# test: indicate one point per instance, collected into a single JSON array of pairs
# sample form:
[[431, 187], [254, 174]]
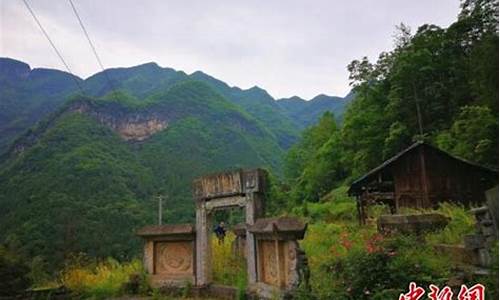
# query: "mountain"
[[259, 104], [29, 94], [80, 171], [139, 81], [307, 112], [87, 175]]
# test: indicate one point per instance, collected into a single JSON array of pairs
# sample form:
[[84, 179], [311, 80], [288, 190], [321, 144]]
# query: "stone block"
[[460, 254], [474, 241], [283, 228], [169, 254], [230, 183], [417, 223]]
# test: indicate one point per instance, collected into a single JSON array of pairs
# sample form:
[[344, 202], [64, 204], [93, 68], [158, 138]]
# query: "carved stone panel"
[[272, 264], [218, 185], [173, 259], [229, 183]]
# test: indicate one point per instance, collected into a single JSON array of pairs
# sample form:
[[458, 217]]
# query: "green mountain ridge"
[[27, 95], [77, 167], [308, 112], [26, 99]]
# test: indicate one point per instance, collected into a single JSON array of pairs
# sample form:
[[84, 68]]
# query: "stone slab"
[[417, 223]]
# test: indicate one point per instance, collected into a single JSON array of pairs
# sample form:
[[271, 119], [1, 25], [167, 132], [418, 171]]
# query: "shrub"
[[461, 222], [228, 267], [349, 261], [99, 280]]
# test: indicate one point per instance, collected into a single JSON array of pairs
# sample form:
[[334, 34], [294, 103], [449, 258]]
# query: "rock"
[[474, 241], [411, 223]]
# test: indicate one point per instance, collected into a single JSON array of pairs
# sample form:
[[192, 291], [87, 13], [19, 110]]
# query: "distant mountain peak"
[[150, 64], [324, 97], [11, 68], [41, 72], [200, 73], [258, 91], [257, 88]]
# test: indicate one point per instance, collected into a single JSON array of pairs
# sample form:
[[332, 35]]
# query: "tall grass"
[[461, 222], [99, 280], [345, 257], [228, 268]]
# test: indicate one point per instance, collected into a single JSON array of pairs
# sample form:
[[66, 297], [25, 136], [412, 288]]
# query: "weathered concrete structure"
[[176, 254]]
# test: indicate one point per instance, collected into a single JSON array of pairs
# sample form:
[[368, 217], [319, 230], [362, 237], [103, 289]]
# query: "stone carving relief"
[[174, 258]]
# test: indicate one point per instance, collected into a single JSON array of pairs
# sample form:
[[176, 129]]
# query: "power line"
[[92, 45], [53, 45]]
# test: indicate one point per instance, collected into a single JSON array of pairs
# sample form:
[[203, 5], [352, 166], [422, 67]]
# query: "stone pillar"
[[203, 247], [253, 186], [149, 256], [251, 241]]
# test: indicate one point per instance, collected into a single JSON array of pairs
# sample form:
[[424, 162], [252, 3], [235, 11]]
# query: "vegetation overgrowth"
[[101, 280], [80, 185], [228, 265], [352, 261]]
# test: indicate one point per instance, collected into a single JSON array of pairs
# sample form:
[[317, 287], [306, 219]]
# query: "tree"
[[308, 165], [473, 136]]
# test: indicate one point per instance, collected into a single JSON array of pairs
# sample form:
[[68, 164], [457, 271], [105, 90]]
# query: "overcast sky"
[[286, 47]]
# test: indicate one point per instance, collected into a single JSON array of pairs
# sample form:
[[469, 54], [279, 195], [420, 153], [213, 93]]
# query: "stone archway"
[[226, 190], [178, 253]]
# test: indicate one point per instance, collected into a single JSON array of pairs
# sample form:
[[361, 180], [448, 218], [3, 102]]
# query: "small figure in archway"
[[220, 232]]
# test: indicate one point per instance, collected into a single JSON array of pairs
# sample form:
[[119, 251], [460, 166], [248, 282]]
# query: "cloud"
[[287, 47]]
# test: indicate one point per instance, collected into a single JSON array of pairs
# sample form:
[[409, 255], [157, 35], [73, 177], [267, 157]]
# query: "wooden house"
[[422, 176]]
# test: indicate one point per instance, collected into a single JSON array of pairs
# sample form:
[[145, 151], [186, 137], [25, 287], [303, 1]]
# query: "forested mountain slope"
[[26, 95], [85, 178], [30, 94]]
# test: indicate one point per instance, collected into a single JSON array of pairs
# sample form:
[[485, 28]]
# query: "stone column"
[[203, 249], [251, 242], [149, 256]]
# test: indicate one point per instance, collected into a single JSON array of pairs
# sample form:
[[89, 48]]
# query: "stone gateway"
[[177, 254]]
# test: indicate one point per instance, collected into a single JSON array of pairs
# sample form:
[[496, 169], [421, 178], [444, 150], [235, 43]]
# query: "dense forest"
[[437, 84]]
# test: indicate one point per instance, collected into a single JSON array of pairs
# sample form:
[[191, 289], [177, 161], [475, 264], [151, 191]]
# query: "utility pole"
[[160, 200], [419, 115]]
